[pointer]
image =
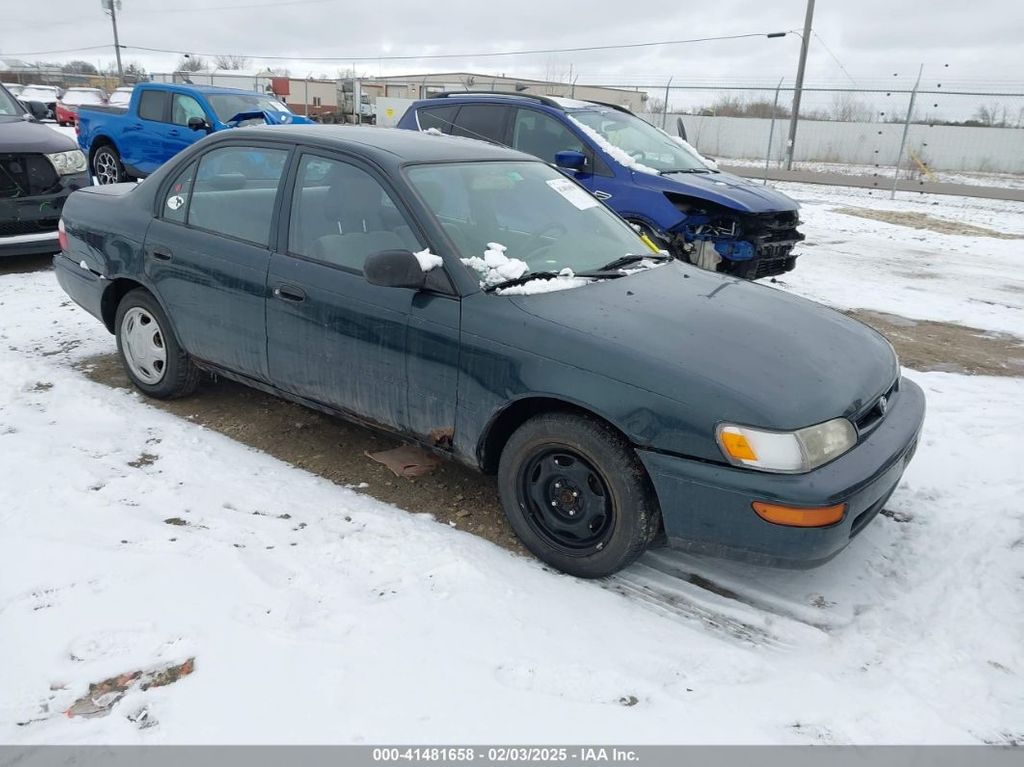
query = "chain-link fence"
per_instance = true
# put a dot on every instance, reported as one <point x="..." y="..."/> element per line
<point x="929" y="134"/>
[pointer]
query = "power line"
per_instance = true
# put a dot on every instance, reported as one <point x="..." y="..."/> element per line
<point x="63" y="50"/>
<point x="834" y="57"/>
<point x="476" y="55"/>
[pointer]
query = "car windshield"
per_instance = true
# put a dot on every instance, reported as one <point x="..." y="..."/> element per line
<point x="88" y="96"/>
<point x="36" y="93"/>
<point x="644" y="143"/>
<point x="227" y="105"/>
<point x="120" y="97"/>
<point x="526" y="211"/>
<point x="8" y="106"/>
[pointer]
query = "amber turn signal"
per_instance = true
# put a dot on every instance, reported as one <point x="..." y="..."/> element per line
<point x="795" y="516"/>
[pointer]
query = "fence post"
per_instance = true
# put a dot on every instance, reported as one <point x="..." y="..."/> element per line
<point x="771" y="132"/>
<point x="906" y="127"/>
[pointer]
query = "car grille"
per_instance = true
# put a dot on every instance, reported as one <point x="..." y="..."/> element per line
<point x="13" y="228"/>
<point x="873" y="415"/>
<point x="26" y="175"/>
<point x="770" y="267"/>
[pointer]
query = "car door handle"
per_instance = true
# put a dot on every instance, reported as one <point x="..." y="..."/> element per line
<point x="161" y="254"/>
<point x="134" y="126"/>
<point x="174" y="131"/>
<point x="289" y="293"/>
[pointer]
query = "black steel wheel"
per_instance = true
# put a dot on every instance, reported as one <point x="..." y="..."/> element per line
<point x="566" y="500"/>
<point x="576" y="494"/>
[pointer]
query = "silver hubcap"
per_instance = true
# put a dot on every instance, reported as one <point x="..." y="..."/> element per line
<point x="106" y="168"/>
<point x="142" y="342"/>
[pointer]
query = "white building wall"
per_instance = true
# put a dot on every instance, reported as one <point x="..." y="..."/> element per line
<point x="942" y="147"/>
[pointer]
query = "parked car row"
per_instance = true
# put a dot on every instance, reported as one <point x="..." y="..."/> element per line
<point x="487" y="305"/>
<point x="62" y="105"/>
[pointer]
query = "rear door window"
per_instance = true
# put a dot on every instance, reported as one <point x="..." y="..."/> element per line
<point x="439" y="118"/>
<point x="235" y="191"/>
<point x="153" y="105"/>
<point x="483" y="121"/>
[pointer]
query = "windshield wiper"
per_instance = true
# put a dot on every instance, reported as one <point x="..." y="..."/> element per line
<point x="520" y="280"/>
<point x="685" y="170"/>
<point x="611" y="268"/>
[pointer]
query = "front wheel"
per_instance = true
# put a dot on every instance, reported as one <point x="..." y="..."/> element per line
<point x="107" y="166"/>
<point x="576" y="494"/>
<point x="150" y="353"/>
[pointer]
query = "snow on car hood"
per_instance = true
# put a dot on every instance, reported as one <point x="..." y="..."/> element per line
<point x="750" y="352"/>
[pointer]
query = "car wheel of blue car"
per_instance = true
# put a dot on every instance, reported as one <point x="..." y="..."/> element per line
<point x="151" y="355"/>
<point x="576" y="495"/>
<point x="107" y="167"/>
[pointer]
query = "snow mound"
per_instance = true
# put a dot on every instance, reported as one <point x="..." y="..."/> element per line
<point x="495" y="266"/>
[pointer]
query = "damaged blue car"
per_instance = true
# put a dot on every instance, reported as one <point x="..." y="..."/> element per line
<point x="476" y="301"/>
<point x="715" y="220"/>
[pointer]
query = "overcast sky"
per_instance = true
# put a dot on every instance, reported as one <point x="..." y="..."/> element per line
<point x="980" y="41"/>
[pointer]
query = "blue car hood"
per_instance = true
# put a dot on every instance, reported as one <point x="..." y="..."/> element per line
<point x="728" y="347"/>
<point x="722" y="188"/>
<point x="270" y="118"/>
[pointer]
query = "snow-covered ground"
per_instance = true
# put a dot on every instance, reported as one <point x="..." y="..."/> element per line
<point x="851" y="262"/>
<point x="131" y="540"/>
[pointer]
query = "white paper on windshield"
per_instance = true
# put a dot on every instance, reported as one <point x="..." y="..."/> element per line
<point x="572" y="193"/>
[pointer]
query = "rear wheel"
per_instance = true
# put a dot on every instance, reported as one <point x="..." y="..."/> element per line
<point x="151" y="355"/>
<point x="107" y="166"/>
<point x="576" y="494"/>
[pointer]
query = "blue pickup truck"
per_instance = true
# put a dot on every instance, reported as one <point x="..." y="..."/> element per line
<point x="128" y="142"/>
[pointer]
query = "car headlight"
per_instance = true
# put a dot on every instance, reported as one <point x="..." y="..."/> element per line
<point x="790" y="452"/>
<point x="66" y="163"/>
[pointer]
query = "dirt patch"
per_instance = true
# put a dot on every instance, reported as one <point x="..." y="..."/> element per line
<point x="942" y="346"/>
<point x="333" y="449"/>
<point x="926" y="221"/>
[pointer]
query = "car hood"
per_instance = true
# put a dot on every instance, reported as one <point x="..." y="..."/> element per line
<point x="22" y="136"/>
<point x="729" y="349"/>
<point x="722" y="188"/>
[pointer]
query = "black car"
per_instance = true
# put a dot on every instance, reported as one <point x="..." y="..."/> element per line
<point x="39" y="168"/>
<point x="477" y="301"/>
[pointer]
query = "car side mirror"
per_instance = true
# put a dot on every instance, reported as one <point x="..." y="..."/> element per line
<point x="394" y="269"/>
<point x="37" y="109"/>
<point x="680" y="128"/>
<point x="570" y="159"/>
<point x="199" y="123"/>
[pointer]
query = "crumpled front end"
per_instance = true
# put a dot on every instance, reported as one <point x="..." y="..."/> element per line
<point x="747" y="245"/>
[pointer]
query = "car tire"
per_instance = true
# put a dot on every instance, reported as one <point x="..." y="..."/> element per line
<point x="576" y="494"/>
<point x="107" y="166"/>
<point x="149" y="350"/>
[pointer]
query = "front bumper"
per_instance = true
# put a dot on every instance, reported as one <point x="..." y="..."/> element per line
<point x="707" y="507"/>
<point x="28" y="225"/>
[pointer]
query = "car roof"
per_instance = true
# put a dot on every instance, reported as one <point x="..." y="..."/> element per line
<point x="386" y="146"/>
<point x="214" y="89"/>
<point x="558" y="103"/>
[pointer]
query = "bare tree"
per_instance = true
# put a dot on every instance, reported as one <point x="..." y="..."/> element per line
<point x="231" y="61"/>
<point x="991" y="115"/>
<point x="79" y="68"/>
<point x="191" y="64"/>
<point x="846" y="107"/>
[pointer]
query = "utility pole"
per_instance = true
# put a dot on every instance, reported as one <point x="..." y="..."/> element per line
<point x="805" y="40"/>
<point x="664" y="109"/>
<point x="113" y="6"/>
